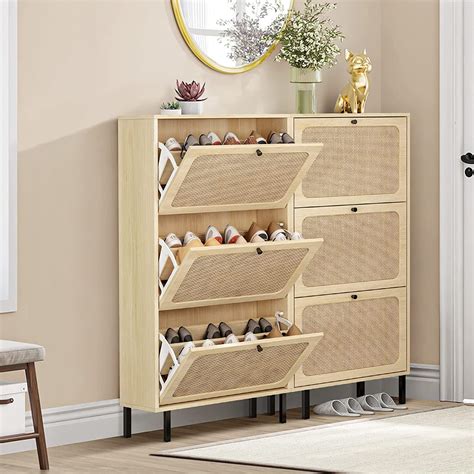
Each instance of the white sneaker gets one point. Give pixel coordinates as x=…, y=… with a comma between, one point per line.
x=231, y=339
x=186, y=350
x=172, y=144
x=173, y=241
x=278, y=237
x=250, y=336
x=231, y=234
x=189, y=236
x=294, y=235
x=213, y=233
x=208, y=343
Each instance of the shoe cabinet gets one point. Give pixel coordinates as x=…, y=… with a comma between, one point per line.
x=343, y=184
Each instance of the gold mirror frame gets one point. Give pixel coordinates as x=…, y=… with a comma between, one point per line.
x=178, y=14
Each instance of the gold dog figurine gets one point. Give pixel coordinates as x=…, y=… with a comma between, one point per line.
x=353, y=97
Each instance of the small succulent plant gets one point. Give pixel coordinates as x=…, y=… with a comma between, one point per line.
x=190, y=92
x=170, y=106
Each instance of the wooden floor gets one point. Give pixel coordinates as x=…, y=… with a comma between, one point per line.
x=133, y=455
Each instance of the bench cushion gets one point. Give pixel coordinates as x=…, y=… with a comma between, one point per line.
x=12, y=353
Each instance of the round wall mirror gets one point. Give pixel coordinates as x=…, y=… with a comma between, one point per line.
x=231, y=36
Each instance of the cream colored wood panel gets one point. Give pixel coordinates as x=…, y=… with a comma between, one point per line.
x=237, y=178
x=364, y=160
x=237, y=273
x=365, y=334
x=365, y=247
x=138, y=254
x=230, y=369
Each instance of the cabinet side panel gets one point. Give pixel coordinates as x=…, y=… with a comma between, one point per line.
x=138, y=257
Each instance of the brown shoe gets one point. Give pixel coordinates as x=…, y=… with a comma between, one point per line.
x=231, y=139
x=258, y=137
x=256, y=233
x=294, y=331
x=250, y=140
x=274, y=230
x=275, y=332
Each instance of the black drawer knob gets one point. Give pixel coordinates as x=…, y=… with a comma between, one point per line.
x=354, y=209
x=259, y=251
x=354, y=297
x=259, y=348
x=259, y=152
x=354, y=121
x=469, y=172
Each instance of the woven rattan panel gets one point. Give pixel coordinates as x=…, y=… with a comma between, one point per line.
x=239, y=178
x=354, y=161
x=357, y=334
x=239, y=369
x=357, y=248
x=239, y=274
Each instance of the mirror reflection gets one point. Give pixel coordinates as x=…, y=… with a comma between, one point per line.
x=231, y=34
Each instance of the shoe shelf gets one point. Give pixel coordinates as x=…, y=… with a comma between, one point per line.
x=234, y=273
x=239, y=368
x=232, y=177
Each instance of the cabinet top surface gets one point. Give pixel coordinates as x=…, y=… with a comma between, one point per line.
x=258, y=116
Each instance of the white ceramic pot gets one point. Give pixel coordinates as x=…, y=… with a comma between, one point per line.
x=193, y=107
x=173, y=112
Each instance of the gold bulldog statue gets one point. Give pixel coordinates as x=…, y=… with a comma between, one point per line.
x=353, y=97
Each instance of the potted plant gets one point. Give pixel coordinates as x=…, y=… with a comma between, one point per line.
x=189, y=97
x=170, y=108
x=308, y=44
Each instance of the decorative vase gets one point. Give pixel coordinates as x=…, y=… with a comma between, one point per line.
x=305, y=81
x=192, y=107
x=174, y=112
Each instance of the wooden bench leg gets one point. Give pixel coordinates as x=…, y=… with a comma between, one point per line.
x=36, y=415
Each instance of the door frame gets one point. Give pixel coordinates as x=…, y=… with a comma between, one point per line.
x=451, y=182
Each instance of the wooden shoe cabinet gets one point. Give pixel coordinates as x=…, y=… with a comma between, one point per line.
x=343, y=184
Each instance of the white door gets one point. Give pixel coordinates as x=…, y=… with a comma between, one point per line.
x=468, y=208
x=457, y=200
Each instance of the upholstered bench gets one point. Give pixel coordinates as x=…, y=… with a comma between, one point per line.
x=22, y=356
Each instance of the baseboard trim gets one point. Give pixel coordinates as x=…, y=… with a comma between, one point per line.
x=103, y=419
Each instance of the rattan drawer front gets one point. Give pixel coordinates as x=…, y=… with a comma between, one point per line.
x=364, y=248
x=362, y=337
x=230, y=369
x=237, y=273
x=361, y=162
x=240, y=177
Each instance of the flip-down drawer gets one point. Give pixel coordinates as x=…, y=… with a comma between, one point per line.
x=237, y=273
x=236, y=177
x=230, y=369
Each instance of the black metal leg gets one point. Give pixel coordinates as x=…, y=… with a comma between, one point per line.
x=360, y=389
x=402, y=389
x=253, y=408
x=166, y=426
x=282, y=401
x=271, y=405
x=127, y=422
x=305, y=395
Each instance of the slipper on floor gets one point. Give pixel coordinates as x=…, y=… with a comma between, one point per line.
x=333, y=408
x=353, y=406
x=386, y=401
x=369, y=402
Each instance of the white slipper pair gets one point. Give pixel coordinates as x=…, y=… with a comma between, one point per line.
x=365, y=405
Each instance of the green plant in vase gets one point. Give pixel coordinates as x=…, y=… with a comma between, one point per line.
x=309, y=42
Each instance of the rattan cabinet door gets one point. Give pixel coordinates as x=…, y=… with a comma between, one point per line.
x=365, y=334
x=231, y=369
x=364, y=160
x=364, y=248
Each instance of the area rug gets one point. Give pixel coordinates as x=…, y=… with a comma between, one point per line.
x=434, y=441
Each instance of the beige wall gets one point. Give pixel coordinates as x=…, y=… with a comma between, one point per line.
x=82, y=64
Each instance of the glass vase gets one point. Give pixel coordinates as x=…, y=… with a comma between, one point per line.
x=304, y=82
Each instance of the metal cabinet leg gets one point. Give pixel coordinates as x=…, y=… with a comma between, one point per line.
x=360, y=389
x=402, y=389
x=253, y=408
x=282, y=400
x=305, y=396
x=166, y=426
x=271, y=405
x=127, y=422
